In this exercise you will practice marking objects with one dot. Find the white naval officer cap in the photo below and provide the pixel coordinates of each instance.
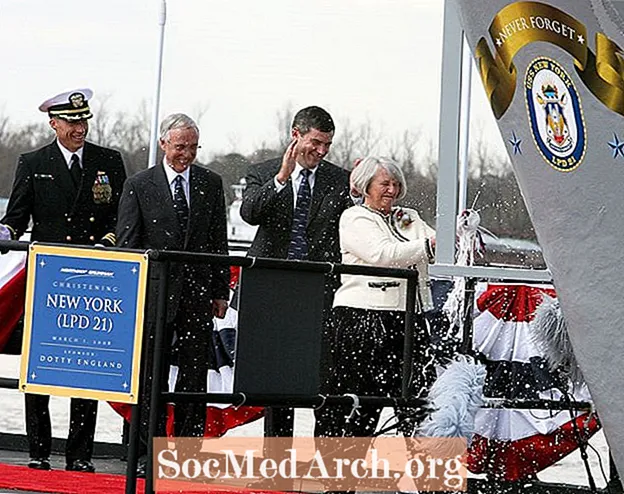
(70, 105)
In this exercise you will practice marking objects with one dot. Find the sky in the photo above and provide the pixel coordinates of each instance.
(235, 63)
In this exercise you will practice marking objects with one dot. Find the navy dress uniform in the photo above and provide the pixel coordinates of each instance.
(70, 190)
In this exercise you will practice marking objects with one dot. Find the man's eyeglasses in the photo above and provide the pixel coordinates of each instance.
(183, 147)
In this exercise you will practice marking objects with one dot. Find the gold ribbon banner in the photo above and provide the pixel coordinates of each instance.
(604, 74)
(522, 23)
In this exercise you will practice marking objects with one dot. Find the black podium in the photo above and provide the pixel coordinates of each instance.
(279, 332)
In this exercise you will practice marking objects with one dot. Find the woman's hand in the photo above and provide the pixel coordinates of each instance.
(219, 307)
(430, 244)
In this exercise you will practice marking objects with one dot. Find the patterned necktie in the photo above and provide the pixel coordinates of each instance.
(75, 170)
(298, 248)
(179, 203)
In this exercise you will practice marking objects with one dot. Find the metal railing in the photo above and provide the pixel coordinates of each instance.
(160, 261)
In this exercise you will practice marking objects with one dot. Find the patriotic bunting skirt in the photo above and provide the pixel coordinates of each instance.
(12, 293)
(513, 444)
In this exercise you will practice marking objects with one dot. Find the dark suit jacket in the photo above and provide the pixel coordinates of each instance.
(147, 220)
(44, 191)
(273, 212)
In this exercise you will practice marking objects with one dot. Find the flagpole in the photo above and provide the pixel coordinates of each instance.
(464, 126)
(448, 143)
(162, 20)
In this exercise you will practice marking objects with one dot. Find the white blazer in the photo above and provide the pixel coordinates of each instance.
(368, 238)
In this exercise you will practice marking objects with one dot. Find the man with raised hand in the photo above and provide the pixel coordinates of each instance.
(297, 201)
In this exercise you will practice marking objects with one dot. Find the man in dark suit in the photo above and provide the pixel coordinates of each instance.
(70, 189)
(177, 205)
(297, 201)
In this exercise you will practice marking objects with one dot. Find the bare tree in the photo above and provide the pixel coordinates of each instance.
(403, 149)
(127, 132)
(429, 163)
(199, 111)
(284, 119)
(15, 141)
(369, 138)
(4, 125)
(500, 202)
(483, 160)
(99, 126)
(233, 139)
(345, 146)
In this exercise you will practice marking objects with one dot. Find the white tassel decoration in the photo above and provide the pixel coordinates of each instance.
(549, 332)
(455, 397)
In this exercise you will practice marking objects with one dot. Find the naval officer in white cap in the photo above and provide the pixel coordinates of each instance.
(70, 190)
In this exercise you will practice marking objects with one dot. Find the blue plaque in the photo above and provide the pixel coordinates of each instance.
(83, 323)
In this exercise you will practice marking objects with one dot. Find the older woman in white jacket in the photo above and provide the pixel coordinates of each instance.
(368, 319)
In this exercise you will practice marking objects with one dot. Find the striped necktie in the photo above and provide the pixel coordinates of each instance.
(179, 203)
(298, 248)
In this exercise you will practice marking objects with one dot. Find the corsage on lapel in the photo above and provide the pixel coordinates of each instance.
(102, 191)
(402, 218)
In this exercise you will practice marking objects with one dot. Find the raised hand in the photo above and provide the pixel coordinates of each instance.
(288, 163)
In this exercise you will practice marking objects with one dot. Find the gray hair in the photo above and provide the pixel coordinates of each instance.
(176, 121)
(363, 174)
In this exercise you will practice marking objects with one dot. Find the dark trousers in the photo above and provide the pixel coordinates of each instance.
(81, 427)
(192, 352)
(367, 360)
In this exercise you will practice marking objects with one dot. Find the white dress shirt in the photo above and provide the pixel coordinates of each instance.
(171, 176)
(296, 181)
(67, 154)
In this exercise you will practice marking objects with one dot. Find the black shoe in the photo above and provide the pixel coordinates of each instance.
(141, 467)
(80, 466)
(39, 463)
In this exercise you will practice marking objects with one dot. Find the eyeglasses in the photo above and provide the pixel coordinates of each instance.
(183, 147)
